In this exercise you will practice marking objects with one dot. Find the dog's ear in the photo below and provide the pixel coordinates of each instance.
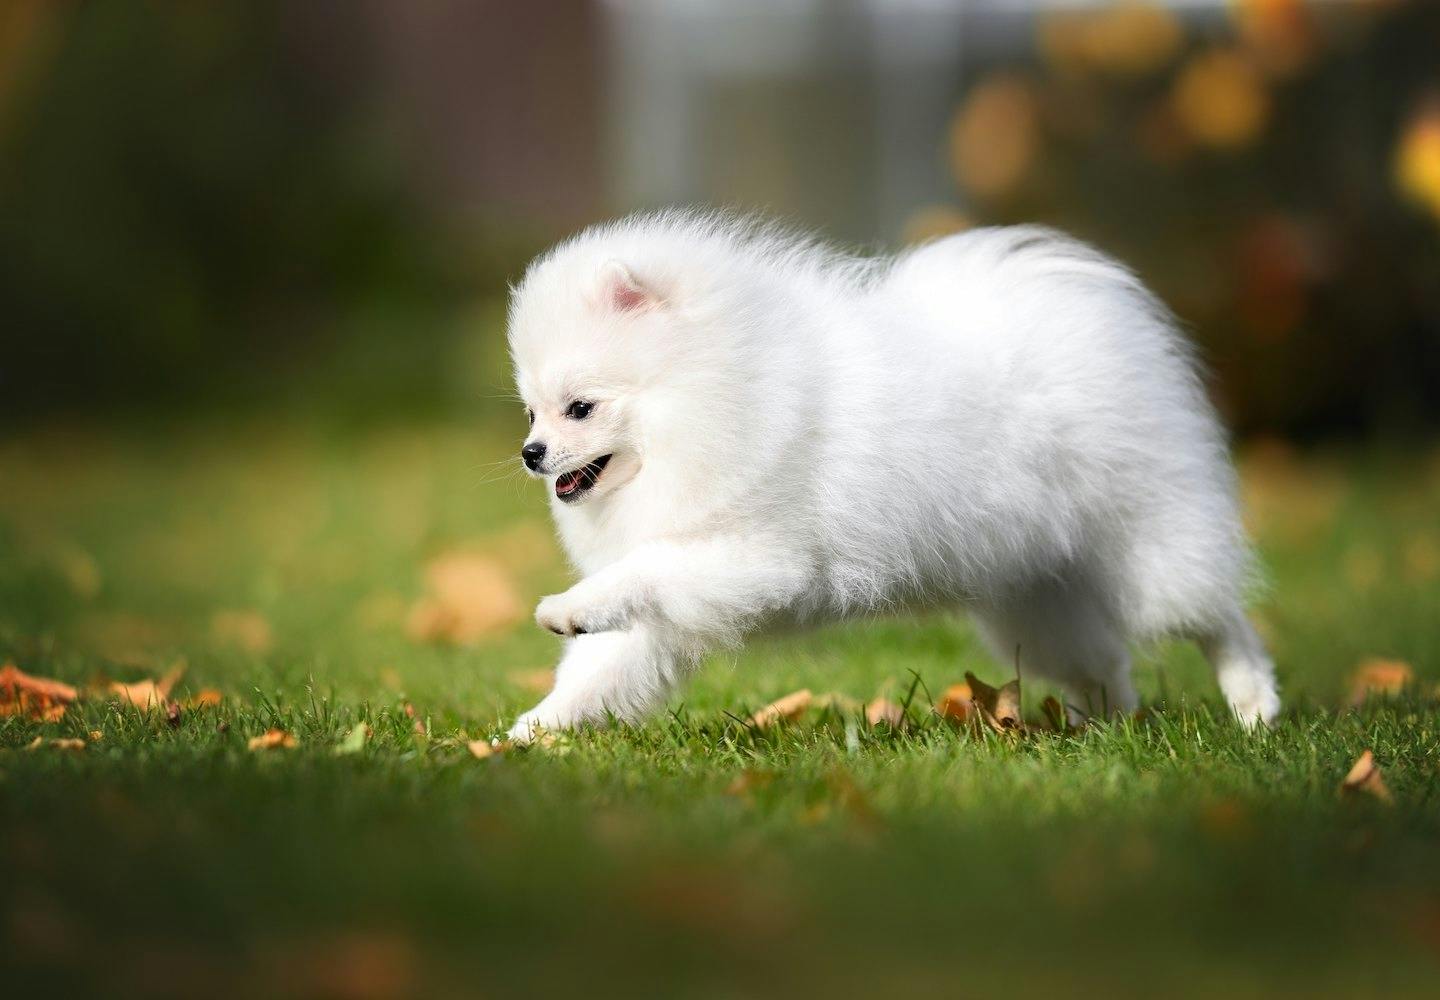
(621, 291)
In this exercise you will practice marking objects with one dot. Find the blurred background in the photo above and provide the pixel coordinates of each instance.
(315, 207)
(258, 435)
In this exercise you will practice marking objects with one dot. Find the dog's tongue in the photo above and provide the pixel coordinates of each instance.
(567, 483)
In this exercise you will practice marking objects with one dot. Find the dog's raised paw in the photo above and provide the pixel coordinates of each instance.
(554, 614)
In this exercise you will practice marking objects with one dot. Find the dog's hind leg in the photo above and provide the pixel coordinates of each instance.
(623, 674)
(1244, 670)
(1061, 632)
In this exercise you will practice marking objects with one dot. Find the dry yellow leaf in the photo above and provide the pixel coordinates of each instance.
(205, 698)
(999, 707)
(789, 708)
(67, 744)
(35, 697)
(273, 739)
(147, 693)
(1364, 777)
(1379, 676)
(480, 749)
(469, 596)
(957, 703)
(886, 711)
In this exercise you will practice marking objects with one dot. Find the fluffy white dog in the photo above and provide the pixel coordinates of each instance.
(744, 429)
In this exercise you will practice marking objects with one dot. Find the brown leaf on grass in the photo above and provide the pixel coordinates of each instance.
(272, 739)
(886, 711)
(204, 698)
(35, 743)
(1378, 676)
(999, 707)
(789, 708)
(147, 693)
(67, 744)
(96, 736)
(957, 703)
(1364, 777)
(481, 749)
(468, 596)
(245, 630)
(34, 697)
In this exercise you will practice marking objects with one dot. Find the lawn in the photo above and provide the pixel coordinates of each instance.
(287, 565)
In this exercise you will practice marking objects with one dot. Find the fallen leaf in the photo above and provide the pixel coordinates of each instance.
(35, 743)
(273, 739)
(355, 741)
(1365, 777)
(468, 596)
(67, 744)
(147, 693)
(1378, 676)
(999, 707)
(206, 698)
(789, 708)
(35, 697)
(480, 749)
(957, 703)
(96, 736)
(886, 711)
(246, 630)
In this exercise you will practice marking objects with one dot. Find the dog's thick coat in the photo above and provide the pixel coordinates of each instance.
(1003, 421)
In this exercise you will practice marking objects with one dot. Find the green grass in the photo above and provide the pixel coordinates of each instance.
(1175, 853)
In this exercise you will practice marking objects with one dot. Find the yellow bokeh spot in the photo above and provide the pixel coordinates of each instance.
(1129, 38)
(1220, 99)
(994, 136)
(1279, 33)
(1417, 158)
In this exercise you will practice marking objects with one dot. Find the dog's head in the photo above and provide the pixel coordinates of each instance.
(583, 348)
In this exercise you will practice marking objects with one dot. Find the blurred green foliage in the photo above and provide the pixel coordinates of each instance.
(188, 214)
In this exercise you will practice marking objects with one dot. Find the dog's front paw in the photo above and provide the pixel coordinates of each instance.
(557, 613)
(568, 615)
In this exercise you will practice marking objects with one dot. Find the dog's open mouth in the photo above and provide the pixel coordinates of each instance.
(571, 486)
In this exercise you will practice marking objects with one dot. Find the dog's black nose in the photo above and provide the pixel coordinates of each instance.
(533, 454)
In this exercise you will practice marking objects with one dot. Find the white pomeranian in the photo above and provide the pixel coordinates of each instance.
(743, 429)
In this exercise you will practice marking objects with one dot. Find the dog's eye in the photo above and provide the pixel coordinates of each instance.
(579, 409)
(530, 416)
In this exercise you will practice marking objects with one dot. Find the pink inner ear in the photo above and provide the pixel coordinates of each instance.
(622, 292)
(625, 296)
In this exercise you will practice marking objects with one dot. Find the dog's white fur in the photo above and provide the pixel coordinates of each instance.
(1004, 421)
